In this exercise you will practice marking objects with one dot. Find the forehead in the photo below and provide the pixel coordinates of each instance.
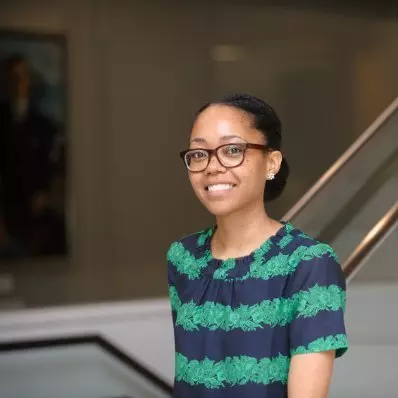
(217, 121)
(222, 116)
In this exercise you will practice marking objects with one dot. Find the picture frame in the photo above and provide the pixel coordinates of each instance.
(33, 144)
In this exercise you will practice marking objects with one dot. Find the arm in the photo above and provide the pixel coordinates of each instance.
(310, 375)
(317, 332)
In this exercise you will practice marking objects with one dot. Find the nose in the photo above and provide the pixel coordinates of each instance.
(214, 165)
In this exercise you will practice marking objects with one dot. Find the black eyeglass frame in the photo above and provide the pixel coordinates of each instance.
(211, 152)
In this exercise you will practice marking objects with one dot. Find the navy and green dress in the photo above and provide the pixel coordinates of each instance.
(238, 322)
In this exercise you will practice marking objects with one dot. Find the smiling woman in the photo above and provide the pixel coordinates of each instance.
(258, 306)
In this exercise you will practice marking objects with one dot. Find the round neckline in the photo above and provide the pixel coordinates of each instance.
(269, 241)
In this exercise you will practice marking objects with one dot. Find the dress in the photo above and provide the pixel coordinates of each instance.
(238, 322)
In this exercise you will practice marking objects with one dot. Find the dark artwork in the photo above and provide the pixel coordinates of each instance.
(32, 145)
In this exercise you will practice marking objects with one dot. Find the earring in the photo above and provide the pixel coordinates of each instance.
(271, 176)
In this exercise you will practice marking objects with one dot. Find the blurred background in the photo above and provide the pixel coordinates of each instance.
(132, 75)
(137, 71)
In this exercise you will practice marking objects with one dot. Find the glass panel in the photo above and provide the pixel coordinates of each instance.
(366, 371)
(369, 369)
(358, 195)
(81, 371)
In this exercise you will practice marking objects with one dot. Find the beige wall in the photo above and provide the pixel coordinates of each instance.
(138, 71)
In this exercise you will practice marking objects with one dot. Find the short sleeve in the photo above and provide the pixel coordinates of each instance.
(318, 291)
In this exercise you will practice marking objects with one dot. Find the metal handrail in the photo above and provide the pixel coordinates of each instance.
(375, 237)
(344, 158)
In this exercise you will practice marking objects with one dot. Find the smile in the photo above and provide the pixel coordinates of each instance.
(219, 187)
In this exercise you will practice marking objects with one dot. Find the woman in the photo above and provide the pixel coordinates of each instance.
(257, 304)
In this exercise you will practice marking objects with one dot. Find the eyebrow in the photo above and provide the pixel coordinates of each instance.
(197, 139)
(223, 138)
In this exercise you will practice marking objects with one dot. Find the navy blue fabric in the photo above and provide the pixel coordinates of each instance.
(267, 341)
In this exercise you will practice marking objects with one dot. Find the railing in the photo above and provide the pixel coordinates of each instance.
(375, 237)
(343, 160)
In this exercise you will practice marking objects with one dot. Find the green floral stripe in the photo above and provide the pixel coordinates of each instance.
(232, 371)
(174, 299)
(327, 343)
(278, 265)
(279, 311)
(222, 271)
(283, 264)
(285, 241)
(185, 262)
(203, 235)
(289, 227)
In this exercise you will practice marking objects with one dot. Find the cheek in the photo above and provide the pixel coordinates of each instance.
(195, 180)
(253, 173)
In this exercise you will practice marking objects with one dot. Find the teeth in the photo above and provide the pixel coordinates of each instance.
(219, 187)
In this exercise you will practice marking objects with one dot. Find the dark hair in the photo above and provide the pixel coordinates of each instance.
(267, 122)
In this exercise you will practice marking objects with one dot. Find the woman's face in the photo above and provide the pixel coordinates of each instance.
(222, 190)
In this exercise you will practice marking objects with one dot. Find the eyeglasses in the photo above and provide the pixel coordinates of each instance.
(228, 155)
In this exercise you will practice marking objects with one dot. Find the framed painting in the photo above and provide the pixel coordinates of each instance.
(33, 142)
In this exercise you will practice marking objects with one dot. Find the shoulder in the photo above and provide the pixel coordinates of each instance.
(187, 256)
(305, 247)
(191, 243)
(314, 261)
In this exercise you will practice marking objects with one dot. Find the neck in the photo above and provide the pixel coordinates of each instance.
(240, 233)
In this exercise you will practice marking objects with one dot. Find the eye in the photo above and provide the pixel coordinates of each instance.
(233, 150)
(196, 155)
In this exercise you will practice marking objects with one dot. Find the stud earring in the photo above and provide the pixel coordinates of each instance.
(271, 176)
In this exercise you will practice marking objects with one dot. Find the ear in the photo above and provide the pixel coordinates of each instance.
(274, 162)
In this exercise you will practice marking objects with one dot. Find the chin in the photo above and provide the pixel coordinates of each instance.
(220, 209)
